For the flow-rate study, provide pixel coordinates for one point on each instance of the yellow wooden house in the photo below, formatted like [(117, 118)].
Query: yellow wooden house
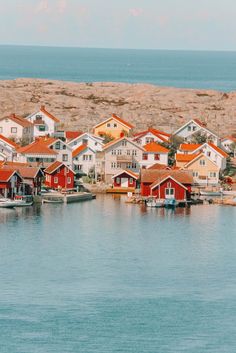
[(113, 126)]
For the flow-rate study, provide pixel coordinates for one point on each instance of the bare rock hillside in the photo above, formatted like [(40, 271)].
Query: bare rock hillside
[(82, 105)]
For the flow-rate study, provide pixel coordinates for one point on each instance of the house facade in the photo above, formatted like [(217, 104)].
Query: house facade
[(61, 148), (154, 153), (205, 172), (125, 179), (59, 176), (118, 155), (36, 154), (84, 159), (44, 123), (113, 126), (7, 148), (228, 144), (16, 128)]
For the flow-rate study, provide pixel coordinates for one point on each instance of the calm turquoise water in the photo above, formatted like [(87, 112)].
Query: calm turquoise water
[(104, 277), (216, 70)]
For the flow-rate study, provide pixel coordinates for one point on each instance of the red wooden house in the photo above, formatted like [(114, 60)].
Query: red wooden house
[(59, 176), (10, 182), (125, 179), (166, 184)]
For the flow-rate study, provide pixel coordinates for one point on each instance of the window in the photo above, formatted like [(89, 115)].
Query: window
[(68, 180), (64, 147), (118, 165), (195, 174), (134, 153), (117, 180), (145, 156), (169, 185), (124, 143), (90, 157), (128, 152), (128, 165), (113, 165), (56, 180), (208, 153), (189, 128), (194, 128), (108, 125), (14, 130), (42, 128), (65, 157), (58, 170), (119, 152), (212, 174), (38, 117), (115, 125), (84, 141), (131, 180), (57, 145), (113, 152), (134, 165), (202, 162), (156, 157)]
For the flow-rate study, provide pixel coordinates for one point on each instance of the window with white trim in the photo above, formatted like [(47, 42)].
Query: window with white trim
[(202, 162), (69, 180), (56, 180), (13, 130)]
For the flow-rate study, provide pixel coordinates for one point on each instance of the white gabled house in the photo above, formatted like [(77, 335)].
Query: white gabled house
[(154, 153), (84, 159), (194, 126), (95, 142), (16, 128), (44, 122)]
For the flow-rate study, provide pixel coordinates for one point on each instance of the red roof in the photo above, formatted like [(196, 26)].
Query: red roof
[(10, 142), (129, 172), (199, 122), (26, 172), (158, 133), (185, 158), (155, 147), (78, 150), (43, 110), (71, 135), (189, 146), (36, 147), (114, 116), (219, 150), (5, 175)]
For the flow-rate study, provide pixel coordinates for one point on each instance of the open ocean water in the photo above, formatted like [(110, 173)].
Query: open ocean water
[(190, 69), (105, 277)]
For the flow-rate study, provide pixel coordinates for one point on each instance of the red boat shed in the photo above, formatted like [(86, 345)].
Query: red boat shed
[(125, 179), (59, 176)]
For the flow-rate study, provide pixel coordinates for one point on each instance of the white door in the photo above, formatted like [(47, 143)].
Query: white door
[(124, 182), (169, 193)]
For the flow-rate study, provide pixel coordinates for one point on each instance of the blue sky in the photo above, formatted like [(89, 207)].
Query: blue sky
[(154, 24)]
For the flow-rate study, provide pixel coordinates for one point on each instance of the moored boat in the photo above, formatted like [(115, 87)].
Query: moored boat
[(6, 203), (156, 203), (210, 193), (23, 201), (170, 203)]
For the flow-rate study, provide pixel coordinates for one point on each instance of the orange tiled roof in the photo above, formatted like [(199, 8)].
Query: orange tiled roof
[(155, 147), (47, 140), (199, 122), (219, 150), (10, 142), (189, 146), (19, 120), (78, 150), (36, 147), (180, 157), (114, 116), (43, 110)]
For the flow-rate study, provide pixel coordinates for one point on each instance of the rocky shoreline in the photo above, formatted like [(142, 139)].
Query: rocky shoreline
[(82, 105)]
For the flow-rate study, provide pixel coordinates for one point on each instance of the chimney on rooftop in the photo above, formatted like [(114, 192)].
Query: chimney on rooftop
[(42, 107)]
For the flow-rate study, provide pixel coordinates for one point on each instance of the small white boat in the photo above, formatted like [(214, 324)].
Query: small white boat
[(52, 201), (229, 192), (155, 203), (171, 203), (210, 193), (6, 203)]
